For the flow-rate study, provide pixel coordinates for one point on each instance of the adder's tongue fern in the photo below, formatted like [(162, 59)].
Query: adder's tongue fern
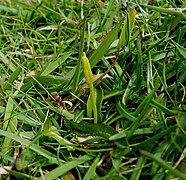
[(89, 80)]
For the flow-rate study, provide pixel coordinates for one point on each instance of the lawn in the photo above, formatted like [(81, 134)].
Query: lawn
[(92, 89)]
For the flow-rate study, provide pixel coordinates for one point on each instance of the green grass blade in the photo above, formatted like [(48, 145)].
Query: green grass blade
[(124, 112), (109, 7), (91, 171), (119, 135), (128, 89), (163, 108), (59, 171), (132, 15), (125, 33), (50, 156), (127, 28), (14, 11), (19, 175), (99, 99), (100, 51), (155, 44), (173, 11), (81, 48), (104, 46), (53, 132), (181, 49), (139, 65), (7, 158), (51, 66), (153, 139), (9, 125), (89, 107), (138, 169), (149, 73), (124, 133), (149, 98), (12, 78), (7, 62), (165, 165)]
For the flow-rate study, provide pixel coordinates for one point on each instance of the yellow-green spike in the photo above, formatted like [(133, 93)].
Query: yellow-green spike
[(89, 80)]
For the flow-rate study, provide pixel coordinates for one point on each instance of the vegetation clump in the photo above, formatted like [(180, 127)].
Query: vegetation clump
[(92, 89)]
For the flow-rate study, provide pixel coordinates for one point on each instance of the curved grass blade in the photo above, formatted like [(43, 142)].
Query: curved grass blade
[(124, 112), (59, 171)]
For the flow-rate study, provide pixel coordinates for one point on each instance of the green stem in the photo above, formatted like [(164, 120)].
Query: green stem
[(93, 99)]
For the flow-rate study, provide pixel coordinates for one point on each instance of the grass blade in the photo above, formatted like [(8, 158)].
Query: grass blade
[(50, 156), (81, 48), (139, 66), (91, 171), (9, 125), (136, 123), (125, 33), (7, 62), (132, 15), (181, 49), (124, 112), (59, 171), (138, 169), (170, 11), (165, 165), (104, 46)]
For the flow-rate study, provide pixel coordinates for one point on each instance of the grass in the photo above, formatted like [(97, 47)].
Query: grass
[(136, 52)]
